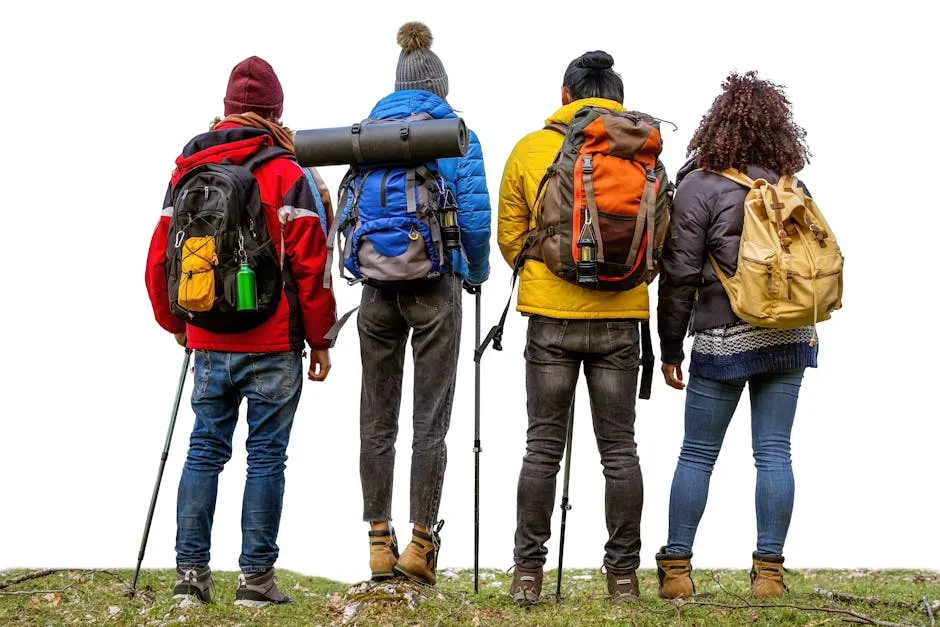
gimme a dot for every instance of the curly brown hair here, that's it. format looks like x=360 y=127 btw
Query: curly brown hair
x=750 y=123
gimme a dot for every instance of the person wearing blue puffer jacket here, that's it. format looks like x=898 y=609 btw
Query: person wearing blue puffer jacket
x=432 y=313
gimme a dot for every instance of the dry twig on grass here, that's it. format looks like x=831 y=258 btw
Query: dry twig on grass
x=849 y=614
x=851 y=598
x=38 y=574
x=27 y=576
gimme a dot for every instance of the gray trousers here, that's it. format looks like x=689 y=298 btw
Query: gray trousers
x=610 y=352
x=433 y=316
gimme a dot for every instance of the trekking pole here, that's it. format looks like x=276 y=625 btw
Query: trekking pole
x=476 y=452
x=565 y=505
x=156 y=487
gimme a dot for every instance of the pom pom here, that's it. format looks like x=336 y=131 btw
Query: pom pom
x=414 y=36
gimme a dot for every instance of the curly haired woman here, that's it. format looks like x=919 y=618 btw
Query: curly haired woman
x=749 y=127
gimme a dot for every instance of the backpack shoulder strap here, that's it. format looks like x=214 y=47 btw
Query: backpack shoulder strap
x=264 y=155
x=737 y=176
x=558 y=127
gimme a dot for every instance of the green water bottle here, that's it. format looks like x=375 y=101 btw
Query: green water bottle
x=247 y=289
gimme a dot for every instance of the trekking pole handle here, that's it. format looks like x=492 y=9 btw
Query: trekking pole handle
x=496 y=337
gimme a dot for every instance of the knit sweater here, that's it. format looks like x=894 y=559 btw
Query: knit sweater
x=740 y=350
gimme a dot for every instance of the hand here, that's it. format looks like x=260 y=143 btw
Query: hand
x=180 y=338
x=471 y=289
x=319 y=365
x=673 y=374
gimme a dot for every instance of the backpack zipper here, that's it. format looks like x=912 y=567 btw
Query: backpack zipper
x=770 y=270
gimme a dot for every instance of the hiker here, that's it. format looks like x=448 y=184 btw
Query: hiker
x=750 y=128
x=261 y=363
x=404 y=291
x=571 y=321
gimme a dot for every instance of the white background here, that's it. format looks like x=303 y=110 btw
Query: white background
x=98 y=100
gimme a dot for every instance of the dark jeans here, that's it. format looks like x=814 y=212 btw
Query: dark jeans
x=433 y=315
x=271 y=382
x=610 y=351
x=709 y=406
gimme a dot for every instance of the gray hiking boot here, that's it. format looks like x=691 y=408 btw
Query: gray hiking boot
x=194 y=582
x=259 y=590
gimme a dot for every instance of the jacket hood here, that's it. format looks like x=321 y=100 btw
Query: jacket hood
x=566 y=113
x=687 y=168
x=401 y=104
x=228 y=141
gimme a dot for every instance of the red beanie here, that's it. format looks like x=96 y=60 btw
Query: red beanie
x=253 y=86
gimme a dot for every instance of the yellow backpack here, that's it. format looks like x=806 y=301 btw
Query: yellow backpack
x=789 y=264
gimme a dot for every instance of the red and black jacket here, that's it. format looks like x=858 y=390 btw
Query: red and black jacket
x=307 y=309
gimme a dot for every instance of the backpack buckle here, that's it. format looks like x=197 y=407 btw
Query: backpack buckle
x=356 y=128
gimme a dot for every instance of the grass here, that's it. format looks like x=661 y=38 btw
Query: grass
x=74 y=597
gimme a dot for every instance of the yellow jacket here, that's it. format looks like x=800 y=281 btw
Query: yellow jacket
x=540 y=291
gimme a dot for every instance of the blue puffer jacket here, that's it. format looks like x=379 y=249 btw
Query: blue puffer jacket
x=465 y=175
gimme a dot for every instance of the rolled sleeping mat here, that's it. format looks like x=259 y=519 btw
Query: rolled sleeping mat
x=381 y=142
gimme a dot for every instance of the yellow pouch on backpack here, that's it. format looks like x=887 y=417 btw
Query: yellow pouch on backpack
x=197 y=280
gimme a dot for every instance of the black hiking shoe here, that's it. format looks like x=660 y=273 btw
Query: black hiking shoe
x=194 y=582
x=259 y=590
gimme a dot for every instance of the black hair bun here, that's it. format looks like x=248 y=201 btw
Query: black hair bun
x=597 y=60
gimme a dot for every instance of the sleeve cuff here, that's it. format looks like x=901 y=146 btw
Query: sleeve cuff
x=672 y=354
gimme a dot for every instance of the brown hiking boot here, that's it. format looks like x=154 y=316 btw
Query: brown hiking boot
x=767 y=576
x=418 y=561
x=623 y=587
x=675 y=574
x=383 y=554
x=526 y=588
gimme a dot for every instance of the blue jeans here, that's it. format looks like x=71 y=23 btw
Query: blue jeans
x=709 y=405
x=271 y=382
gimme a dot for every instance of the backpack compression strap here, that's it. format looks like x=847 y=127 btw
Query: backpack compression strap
x=647 y=360
x=341 y=220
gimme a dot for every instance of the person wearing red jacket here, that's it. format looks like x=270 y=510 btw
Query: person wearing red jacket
x=262 y=364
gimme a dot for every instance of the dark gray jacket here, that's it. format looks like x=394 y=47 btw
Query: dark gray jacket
x=707 y=218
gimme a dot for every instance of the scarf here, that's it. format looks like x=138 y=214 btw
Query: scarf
x=283 y=136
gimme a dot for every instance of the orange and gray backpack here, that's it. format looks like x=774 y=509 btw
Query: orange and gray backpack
x=602 y=209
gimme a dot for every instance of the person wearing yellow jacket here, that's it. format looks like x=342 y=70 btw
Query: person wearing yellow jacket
x=570 y=325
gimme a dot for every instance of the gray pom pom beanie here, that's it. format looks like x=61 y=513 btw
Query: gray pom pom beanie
x=418 y=67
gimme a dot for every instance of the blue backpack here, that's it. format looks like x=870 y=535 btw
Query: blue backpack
x=398 y=224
